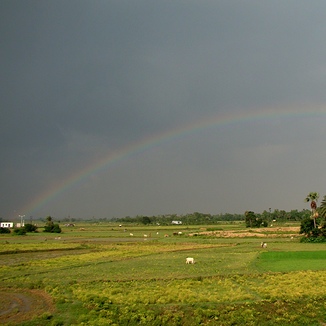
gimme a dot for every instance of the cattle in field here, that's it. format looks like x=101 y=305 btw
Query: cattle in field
x=190 y=260
x=177 y=233
x=264 y=245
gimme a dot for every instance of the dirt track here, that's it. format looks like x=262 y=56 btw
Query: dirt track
x=18 y=306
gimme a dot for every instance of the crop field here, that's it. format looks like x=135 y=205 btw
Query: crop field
x=106 y=274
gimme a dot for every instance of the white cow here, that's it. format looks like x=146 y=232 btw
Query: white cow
x=264 y=245
x=190 y=260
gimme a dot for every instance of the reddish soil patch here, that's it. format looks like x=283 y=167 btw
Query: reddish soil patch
x=21 y=305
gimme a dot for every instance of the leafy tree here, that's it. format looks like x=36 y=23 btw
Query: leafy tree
x=30 y=227
x=306 y=227
x=146 y=220
x=254 y=221
x=250 y=219
x=55 y=228
x=313 y=197
x=51 y=227
x=49 y=220
x=310 y=225
x=323 y=230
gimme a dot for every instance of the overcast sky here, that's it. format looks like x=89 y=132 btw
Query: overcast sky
x=82 y=80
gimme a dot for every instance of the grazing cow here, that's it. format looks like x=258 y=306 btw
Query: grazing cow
x=145 y=235
x=131 y=234
x=166 y=235
x=264 y=245
x=190 y=260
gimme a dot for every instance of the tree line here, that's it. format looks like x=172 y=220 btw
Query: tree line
x=198 y=218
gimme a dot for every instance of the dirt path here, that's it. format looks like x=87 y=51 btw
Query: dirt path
x=22 y=305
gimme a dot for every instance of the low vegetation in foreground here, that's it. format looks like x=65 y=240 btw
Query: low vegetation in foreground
x=106 y=274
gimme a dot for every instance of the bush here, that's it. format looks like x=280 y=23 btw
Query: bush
x=30 y=228
x=55 y=228
x=51 y=227
x=306 y=227
x=4 y=230
x=19 y=231
x=312 y=233
x=313 y=240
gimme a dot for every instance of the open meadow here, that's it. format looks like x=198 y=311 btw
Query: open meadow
x=106 y=274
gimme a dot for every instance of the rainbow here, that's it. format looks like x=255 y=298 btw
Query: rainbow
x=158 y=139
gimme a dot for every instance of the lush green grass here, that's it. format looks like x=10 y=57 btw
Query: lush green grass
x=286 y=261
x=100 y=275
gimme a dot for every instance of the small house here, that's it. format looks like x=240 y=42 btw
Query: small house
x=7 y=225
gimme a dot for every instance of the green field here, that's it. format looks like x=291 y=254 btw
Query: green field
x=100 y=274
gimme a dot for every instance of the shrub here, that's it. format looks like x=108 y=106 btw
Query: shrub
x=30 y=228
x=51 y=227
x=313 y=239
x=55 y=228
x=19 y=231
x=307 y=226
x=4 y=230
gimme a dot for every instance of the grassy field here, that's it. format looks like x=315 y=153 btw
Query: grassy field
x=104 y=274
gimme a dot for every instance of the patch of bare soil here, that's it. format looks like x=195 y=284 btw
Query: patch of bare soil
x=22 y=305
x=259 y=233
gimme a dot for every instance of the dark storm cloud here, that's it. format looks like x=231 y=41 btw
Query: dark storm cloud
x=80 y=79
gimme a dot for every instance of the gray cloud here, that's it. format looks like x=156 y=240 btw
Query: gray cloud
x=80 y=80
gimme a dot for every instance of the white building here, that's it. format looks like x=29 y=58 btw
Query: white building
x=7 y=224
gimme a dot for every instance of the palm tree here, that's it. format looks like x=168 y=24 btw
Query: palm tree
x=322 y=207
x=313 y=198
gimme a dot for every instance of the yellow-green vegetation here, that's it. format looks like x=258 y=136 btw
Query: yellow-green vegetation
x=102 y=274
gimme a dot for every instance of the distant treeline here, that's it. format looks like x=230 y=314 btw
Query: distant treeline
x=195 y=218
x=202 y=218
